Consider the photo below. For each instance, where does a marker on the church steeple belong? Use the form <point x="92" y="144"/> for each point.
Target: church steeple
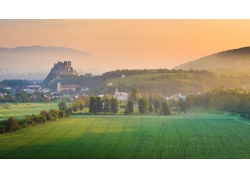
<point x="116" y="90"/>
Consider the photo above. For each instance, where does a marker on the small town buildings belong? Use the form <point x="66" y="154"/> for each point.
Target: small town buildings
<point x="101" y="96"/>
<point x="177" y="96"/>
<point x="84" y="89"/>
<point x="66" y="87"/>
<point x="34" y="87"/>
<point x="121" y="96"/>
<point x="28" y="91"/>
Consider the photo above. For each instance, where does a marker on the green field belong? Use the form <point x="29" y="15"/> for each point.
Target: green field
<point x="210" y="134"/>
<point x="20" y="110"/>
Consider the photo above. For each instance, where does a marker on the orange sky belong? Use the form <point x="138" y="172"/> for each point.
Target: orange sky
<point x="167" y="42"/>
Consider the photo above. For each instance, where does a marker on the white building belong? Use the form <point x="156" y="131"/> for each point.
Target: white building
<point x="123" y="75"/>
<point x="109" y="83"/>
<point x="178" y="96"/>
<point x="121" y="96"/>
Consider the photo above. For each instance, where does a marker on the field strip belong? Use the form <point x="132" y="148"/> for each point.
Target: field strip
<point x="160" y="144"/>
<point x="139" y="141"/>
<point x="97" y="142"/>
<point x="236" y="135"/>
<point x="241" y="121"/>
<point x="201" y="140"/>
<point x="181" y="140"/>
<point x="222" y="142"/>
<point x="31" y="142"/>
<point x="120" y="139"/>
<point x="45" y="147"/>
<point x="84" y="133"/>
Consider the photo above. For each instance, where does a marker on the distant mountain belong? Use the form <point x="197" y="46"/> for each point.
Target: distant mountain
<point x="237" y="59"/>
<point x="39" y="59"/>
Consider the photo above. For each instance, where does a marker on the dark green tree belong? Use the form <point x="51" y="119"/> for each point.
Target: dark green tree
<point x="92" y="105"/>
<point x="106" y="105"/>
<point x="165" y="109"/>
<point x="114" y="103"/>
<point x="143" y="105"/>
<point x="182" y="105"/>
<point x="99" y="104"/>
<point x="157" y="104"/>
<point x="150" y="107"/>
<point x="130" y="106"/>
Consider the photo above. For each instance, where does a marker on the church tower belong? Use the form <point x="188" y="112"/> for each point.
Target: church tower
<point x="116" y="90"/>
<point x="58" y="87"/>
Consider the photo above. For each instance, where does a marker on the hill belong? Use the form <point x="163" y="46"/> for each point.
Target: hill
<point x="39" y="59"/>
<point x="235" y="59"/>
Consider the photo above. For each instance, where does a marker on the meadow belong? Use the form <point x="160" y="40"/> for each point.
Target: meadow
<point x="208" y="135"/>
<point x="20" y="110"/>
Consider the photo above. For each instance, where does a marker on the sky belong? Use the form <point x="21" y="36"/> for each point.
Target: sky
<point x="167" y="42"/>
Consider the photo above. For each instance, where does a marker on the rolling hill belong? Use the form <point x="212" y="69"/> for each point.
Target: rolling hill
<point x="235" y="59"/>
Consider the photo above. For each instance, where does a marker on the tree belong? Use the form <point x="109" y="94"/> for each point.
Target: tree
<point x="189" y="101"/>
<point x="114" y="102"/>
<point x="165" y="109"/>
<point x="182" y="105"/>
<point x="62" y="106"/>
<point x="81" y="103"/>
<point x="107" y="96"/>
<point x="135" y="94"/>
<point x="2" y="128"/>
<point x="126" y="112"/>
<point x="150" y="108"/>
<point x="12" y="124"/>
<point x="157" y="104"/>
<point x="143" y="105"/>
<point x="173" y="103"/>
<point x="99" y="105"/>
<point x="130" y="106"/>
<point x="145" y="96"/>
<point x="106" y="105"/>
<point x="92" y="105"/>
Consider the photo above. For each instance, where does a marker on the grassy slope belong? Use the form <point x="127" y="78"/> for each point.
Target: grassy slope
<point x="20" y="110"/>
<point x="210" y="134"/>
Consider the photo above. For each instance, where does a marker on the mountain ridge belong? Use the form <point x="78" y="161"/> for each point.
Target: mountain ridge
<point x="229" y="59"/>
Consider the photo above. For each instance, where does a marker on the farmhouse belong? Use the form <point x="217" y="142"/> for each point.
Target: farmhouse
<point x="109" y="83"/>
<point x="120" y="95"/>
<point x="123" y="75"/>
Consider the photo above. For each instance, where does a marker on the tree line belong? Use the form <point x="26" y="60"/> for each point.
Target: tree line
<point x="12" y="124"/>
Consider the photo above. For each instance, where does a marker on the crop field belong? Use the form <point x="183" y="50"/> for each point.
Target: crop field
<point x="214" y="135"/>
<point x="20" y="110"/>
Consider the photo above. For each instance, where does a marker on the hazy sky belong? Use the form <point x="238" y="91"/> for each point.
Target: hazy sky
<point x="167" y="42"/>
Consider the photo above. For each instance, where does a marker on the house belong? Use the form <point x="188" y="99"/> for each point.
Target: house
<point x="101" y="96"/>
<point x="121" y="96"/>
<point x="123" y="75"/>
<point x="109" y="83"/>
<point x="45" y="90"/>
<point x="84" y="89"/>
<point x="177" y="96"/>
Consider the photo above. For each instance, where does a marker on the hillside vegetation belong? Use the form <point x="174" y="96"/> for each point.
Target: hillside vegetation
<point x="237" y="59"/>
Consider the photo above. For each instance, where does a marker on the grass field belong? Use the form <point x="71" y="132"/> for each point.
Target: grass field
<point x="20" y="110"/>
<point x="210" y="134"/>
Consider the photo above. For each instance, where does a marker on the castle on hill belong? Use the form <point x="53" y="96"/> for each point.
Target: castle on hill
<point x="62" y="68"/>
